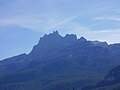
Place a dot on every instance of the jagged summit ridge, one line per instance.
(55, 35)
(53, 42)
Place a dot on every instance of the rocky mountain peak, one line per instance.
(82, 39)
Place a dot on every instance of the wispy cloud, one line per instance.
(64, 21)
(108, 18)
(66, 16)
(36, 23)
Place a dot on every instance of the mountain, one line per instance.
(59, 63)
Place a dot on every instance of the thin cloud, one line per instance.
(108, 18)
(64, 21)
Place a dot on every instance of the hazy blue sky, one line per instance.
(93, 19)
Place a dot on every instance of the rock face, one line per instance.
(110, 82)
(59, 63)
(113, 76)
(51, 44)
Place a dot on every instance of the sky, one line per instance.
(92, 19)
